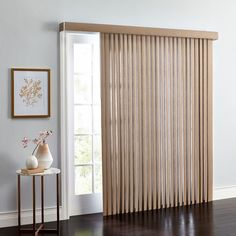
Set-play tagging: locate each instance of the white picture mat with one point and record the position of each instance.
(39, 108)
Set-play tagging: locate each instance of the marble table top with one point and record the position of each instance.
(50, 171)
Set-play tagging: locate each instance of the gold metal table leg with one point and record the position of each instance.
(34, 206)
(19, 202)
(58, 202)
(42, 199)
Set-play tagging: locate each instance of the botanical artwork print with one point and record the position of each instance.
(31, 92)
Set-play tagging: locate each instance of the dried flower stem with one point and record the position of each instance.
(35, 149)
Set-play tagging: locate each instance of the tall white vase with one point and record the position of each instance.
(44, 156)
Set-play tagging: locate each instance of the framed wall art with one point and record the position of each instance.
(30, 93)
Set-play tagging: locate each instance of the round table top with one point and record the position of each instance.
(50, 171)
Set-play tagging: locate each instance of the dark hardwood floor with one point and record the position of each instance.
(217, 218)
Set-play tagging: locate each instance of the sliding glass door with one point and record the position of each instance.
(86, 167)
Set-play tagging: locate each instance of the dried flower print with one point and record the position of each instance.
(31, 92)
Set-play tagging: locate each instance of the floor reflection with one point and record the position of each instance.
(173, 221)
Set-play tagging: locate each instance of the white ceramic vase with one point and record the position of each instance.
(31, 162)
(44, 156)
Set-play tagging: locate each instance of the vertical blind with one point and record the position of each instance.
(156, 121)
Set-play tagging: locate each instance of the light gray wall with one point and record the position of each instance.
(29, 38)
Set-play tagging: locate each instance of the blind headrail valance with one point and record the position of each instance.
(72, 26)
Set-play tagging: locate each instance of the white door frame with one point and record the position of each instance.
(64, 141)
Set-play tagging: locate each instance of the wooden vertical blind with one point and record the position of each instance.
(156, 121)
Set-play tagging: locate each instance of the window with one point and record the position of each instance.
(87, 115)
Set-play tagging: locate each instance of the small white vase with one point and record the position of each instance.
(44, 156)
(31, 162)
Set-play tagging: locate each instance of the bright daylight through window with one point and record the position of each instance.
(87, 115)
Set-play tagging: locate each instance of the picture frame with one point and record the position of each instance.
(30, 93)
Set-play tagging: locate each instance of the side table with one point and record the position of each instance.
(51, 171)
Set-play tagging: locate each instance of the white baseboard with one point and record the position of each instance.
(224, 192)
(8, 219)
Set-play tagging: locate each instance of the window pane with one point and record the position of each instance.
(98, 178)
(83, 149)
(96, 90)
(83, 180)
(83, 119)
(83, 58)
(97, 119)
(82, 89)
(97, 148)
